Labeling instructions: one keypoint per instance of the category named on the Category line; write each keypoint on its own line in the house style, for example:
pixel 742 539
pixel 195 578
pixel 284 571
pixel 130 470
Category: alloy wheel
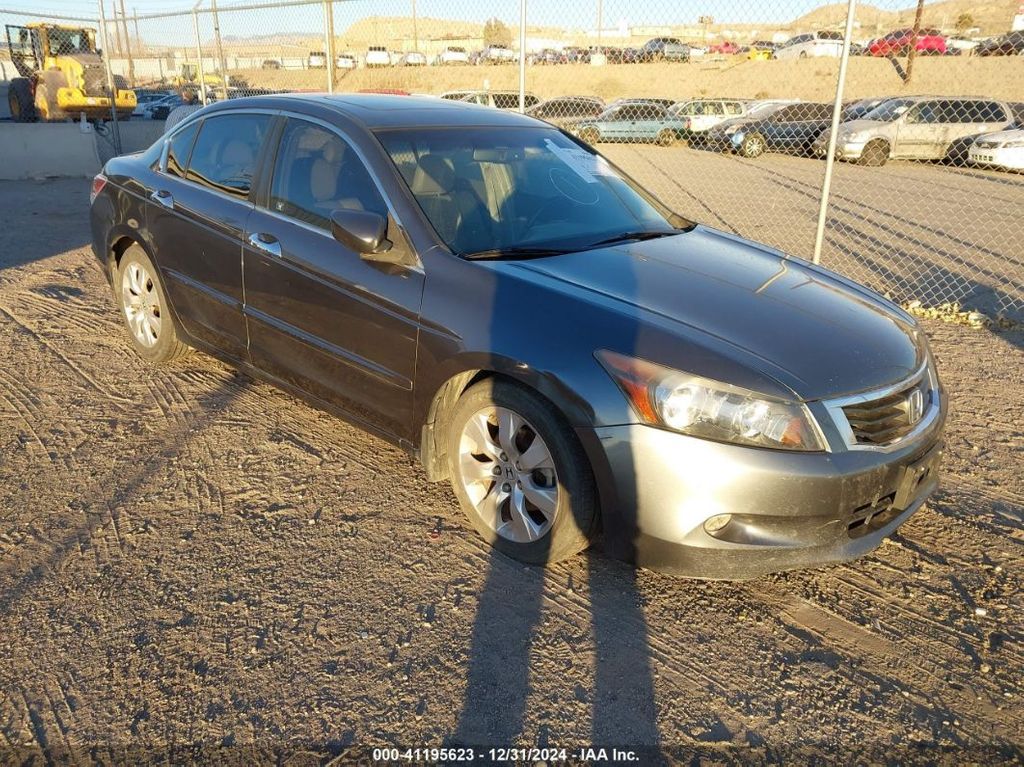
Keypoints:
pixel 141 304
pixel 508 474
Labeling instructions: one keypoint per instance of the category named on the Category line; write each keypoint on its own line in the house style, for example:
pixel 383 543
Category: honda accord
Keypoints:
pixel 495 297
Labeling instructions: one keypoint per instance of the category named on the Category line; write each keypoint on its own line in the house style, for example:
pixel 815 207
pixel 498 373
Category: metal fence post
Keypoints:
pixel 128 46
pixel 329 43
pixel 199 54
pixel 522 56
pixel 111 86
pixel 221 63
pixel 830 155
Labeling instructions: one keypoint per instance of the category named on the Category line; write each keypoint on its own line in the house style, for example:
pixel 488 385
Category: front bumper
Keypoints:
pixel 999 157
pixel 788 509
pixel 845 150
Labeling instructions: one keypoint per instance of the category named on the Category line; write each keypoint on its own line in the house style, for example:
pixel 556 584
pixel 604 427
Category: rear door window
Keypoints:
pixel 225 152
pixel 317 173
pixel 178 150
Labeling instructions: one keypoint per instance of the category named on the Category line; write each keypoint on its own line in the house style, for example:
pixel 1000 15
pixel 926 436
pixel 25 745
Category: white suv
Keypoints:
pixel 699 115
pixel 811 45
pixel 453 54
pixel 378 56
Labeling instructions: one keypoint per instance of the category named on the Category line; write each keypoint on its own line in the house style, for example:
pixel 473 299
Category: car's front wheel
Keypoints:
pixel 753 145
pixel 875 153
pixel 666 137
pixel 147 316
pixel 520 474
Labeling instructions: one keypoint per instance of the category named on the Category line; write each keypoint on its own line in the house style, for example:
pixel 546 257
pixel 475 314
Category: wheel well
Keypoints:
pixel 117 250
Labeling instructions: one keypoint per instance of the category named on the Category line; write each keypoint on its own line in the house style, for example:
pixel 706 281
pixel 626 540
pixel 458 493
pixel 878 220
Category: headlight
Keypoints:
pixel 731 129
pixel 700 407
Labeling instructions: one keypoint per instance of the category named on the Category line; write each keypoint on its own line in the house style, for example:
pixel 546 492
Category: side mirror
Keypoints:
pixel 364 232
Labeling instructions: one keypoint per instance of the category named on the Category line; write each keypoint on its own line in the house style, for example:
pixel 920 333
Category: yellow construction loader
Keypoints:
pixel 190 76
pixel 62 75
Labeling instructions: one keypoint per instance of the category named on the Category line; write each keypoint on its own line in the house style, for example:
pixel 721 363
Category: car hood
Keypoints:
pixel 814 333
pixel 1015 134
pixel 853 126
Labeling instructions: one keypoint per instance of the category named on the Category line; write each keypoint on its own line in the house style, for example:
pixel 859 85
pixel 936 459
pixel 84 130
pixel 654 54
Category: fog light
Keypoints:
pixel 717 522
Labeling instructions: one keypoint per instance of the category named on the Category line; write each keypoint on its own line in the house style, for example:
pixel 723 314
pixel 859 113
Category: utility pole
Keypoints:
pixel 220 51
pixel 329 43
pixel 117 31
pixel 913 40
pixel 199 54
pixel 600 21
pixel 138 37
pixel 111 89
pixel 128 41
pixel 415 32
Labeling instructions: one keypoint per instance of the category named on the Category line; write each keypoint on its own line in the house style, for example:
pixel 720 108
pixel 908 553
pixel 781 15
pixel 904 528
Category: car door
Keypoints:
pixel 617 125
pixel 650 119
pixel 196 216
pixel 320 317
pixel 919 132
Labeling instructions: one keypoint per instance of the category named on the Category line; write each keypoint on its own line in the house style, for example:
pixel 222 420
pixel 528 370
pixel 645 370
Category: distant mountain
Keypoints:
pixel 990 17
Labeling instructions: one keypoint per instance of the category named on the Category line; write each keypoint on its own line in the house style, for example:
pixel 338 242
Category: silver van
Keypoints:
pixel 917 128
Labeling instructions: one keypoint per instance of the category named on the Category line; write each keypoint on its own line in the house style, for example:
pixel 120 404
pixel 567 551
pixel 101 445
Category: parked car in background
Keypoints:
pixel 161 108
pixel 1004 149
pixel 412 59
pixel 346 61
pixel 498 54
pixel 270 64
pixel 508 100
pixel 665 49
pixel 930 42
pixel 811 45
pixel 761 50
pixel 566 109
pixel 663 103
pixel 629 121
pixel 377 56
pixel 960 45
pixel 918 128
pixel 718 136
pixel 452 54
pixel 724 48
pixel 547 57
pixel 144 98
pixel 855 110
pixel 576 55
pixel 316 60
pixel 612 55
pixel 700 115
pixel 792 128
pixel 1010 44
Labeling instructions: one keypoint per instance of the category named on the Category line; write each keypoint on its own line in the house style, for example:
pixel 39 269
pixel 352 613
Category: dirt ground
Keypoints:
pixel 812 79
pixel 190 558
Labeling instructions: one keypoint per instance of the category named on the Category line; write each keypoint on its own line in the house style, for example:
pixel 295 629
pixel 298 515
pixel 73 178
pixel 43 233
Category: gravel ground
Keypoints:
pixel 190 558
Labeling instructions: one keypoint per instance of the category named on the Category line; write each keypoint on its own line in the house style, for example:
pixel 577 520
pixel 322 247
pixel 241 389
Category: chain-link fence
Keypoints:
pixel 724 109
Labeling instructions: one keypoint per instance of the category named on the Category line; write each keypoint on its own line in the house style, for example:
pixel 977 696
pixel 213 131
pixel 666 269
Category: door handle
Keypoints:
pixel 163 197
pixel 268 243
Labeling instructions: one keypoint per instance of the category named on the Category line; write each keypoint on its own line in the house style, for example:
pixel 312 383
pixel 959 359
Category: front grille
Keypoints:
pixel 95 80
pixel 886 419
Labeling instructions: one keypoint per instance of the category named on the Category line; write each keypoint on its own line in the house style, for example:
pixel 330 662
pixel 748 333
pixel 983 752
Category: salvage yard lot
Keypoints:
pixel 189 556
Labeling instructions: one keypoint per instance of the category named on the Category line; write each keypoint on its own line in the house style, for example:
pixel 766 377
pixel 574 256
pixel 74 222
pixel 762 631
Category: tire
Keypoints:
pixel 875 153
pixel 563 477
pixel 590 135
pixel 666 137
pixel 20 100
pixel 141 295
pixel 52 112
pixel 752 146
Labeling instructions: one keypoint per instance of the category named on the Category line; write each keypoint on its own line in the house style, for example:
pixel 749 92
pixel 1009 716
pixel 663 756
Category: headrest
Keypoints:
pixel 237 152
pixel 434 175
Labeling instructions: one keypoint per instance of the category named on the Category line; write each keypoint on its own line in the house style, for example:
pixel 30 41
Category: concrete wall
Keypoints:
pixel 40 150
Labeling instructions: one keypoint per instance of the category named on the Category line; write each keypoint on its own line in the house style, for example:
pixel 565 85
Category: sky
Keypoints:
pixel 576 14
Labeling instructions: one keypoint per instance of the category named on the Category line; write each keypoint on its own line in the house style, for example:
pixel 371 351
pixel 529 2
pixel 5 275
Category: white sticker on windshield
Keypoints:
pixel 586 165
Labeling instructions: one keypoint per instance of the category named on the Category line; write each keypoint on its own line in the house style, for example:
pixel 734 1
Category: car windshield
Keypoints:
pixel 762 110
pixel 517 192
pixel 888 111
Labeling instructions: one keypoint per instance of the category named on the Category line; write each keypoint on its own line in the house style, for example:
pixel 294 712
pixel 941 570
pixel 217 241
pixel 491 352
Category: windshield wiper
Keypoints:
pixel 514 252
pixel 634 237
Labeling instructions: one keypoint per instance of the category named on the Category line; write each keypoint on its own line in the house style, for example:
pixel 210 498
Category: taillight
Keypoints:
pixel 98 182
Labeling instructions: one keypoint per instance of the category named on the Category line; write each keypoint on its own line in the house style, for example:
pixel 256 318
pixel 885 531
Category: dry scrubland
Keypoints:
pixel 1000 77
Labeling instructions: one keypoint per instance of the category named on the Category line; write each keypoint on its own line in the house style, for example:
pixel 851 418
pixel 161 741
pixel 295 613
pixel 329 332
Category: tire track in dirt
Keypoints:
pixel 118 400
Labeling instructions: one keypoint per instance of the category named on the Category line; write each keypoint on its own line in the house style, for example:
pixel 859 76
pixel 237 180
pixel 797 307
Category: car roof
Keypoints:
pixel 375 111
